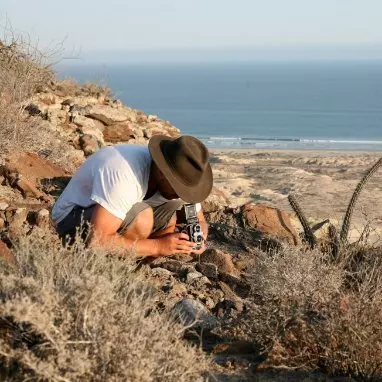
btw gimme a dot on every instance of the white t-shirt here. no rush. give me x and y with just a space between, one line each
115 177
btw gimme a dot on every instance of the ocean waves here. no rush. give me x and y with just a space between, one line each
291 143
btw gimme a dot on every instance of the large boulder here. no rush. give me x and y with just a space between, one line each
110 115
31 167
30 173
119 132
269 221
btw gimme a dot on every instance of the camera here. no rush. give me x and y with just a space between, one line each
188 222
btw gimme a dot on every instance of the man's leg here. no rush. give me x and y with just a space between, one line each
138 223
77 223
165 217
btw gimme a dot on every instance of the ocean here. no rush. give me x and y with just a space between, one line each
279 105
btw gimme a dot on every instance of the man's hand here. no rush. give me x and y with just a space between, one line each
172 243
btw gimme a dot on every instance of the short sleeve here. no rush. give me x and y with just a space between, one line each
114 191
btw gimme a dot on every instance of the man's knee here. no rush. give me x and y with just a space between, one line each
142 225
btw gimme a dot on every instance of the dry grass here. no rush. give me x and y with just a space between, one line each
308 312
71 88
23 71
79 315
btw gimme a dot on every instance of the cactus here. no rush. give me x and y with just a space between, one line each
353 201
308 233
334 243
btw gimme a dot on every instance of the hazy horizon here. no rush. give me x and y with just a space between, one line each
227 55
160 30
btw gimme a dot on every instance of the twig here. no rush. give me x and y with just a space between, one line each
308 233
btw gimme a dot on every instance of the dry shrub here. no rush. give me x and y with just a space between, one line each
68 87
79 315
23 71
310 313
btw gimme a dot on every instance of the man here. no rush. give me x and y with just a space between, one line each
129 194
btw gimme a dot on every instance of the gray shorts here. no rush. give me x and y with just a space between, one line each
79 219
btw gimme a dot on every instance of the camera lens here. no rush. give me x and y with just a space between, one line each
197 228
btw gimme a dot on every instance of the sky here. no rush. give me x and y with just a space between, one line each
213 28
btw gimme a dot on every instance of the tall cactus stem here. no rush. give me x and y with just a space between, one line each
349 212
308 233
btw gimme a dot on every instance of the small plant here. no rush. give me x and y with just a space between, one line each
76 314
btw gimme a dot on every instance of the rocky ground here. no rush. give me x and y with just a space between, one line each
201 292
206 293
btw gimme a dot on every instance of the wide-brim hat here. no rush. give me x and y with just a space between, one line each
184 163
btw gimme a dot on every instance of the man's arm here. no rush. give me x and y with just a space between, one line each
104 234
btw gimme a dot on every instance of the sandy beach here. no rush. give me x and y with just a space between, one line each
322 180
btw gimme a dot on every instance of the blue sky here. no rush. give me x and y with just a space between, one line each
160 26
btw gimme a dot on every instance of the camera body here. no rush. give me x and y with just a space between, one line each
188 222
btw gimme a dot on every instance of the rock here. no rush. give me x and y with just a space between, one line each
239 286
33 109
215 201
89 144
32 167
232 296
94 133
3 206
208 269
109 115
192 276
194 313
76 110
120 132
147 133
161 273
269 221
222 260
178 289
173 266
6 255
88 123
43 219
28 189
138 133
18 218
201 281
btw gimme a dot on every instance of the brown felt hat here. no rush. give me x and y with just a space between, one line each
184 163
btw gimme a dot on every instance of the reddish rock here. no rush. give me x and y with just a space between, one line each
270 221
32 167
222 260
6 255
89 144
119 132
29 189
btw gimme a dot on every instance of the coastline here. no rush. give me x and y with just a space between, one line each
323 181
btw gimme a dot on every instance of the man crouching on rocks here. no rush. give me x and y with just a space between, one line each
130 194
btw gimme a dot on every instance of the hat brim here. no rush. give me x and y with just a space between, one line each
190 194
